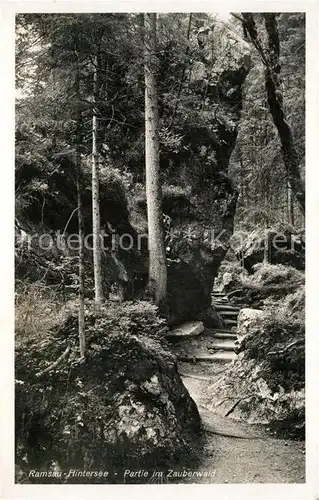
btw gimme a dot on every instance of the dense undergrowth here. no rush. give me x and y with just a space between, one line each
269 283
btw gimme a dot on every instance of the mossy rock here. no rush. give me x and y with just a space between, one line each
124 407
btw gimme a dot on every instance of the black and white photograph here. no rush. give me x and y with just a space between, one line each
159 248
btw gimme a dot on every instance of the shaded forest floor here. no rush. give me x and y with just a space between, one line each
254 457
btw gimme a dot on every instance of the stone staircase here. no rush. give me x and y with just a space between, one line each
191 342
224 340
225 309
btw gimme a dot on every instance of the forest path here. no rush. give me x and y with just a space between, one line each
235 452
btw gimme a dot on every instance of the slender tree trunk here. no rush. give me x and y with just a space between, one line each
95 196
81 273
266 244
81 322
266 223
183 74
290 205
242 181
289 152
157 257
270 59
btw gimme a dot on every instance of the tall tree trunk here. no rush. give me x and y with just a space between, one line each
157 257
290 205
270 59
242 181
183 74
98 289
81 322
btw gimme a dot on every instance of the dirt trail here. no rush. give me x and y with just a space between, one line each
253 456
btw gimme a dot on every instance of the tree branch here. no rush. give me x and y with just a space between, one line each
285 349
55 364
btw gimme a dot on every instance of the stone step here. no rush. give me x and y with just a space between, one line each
221 335
226 307
189 329
217 356
230 322
229 314
222 345
223 330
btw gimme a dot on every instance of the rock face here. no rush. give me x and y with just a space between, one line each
125 407
202 201
198 197
121 265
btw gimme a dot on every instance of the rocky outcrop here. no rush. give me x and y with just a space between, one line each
245 322
284 245
201 199
50 210
125 407
268 283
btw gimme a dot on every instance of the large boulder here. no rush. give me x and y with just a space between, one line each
202 201
246 322
246 318
124 407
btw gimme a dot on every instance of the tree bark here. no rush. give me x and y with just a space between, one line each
81 322
98 289
270 59
157 257
290 205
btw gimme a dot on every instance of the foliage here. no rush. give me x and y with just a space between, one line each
268 283
47 333
37 310
46 117
257 163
